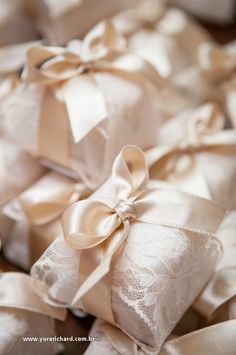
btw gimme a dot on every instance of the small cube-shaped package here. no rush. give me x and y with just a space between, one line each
31 221
80 105
196 153
132 254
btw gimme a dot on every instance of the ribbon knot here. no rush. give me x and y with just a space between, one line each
126 210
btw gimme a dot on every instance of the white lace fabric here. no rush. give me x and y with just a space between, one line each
155 280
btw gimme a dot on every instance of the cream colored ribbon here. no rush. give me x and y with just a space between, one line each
18 291
219 290
70 70
216 340
91 224
43 204
204 133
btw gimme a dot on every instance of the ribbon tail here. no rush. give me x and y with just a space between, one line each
104 267
85 105
94 277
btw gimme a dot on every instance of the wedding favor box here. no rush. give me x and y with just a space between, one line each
31 221
132 255
78 106
196 153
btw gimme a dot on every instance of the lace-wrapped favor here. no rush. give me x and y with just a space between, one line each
133 255
31 221
197 154
85 102
18 170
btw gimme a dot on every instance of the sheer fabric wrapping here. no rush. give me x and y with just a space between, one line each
127 103
153 282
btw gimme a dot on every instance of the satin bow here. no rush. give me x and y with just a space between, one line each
88 224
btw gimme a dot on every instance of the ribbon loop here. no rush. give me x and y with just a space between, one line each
130 170
48 198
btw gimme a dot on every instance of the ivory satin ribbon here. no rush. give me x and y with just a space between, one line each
43 204
214 340
100 231
69 72
18 291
